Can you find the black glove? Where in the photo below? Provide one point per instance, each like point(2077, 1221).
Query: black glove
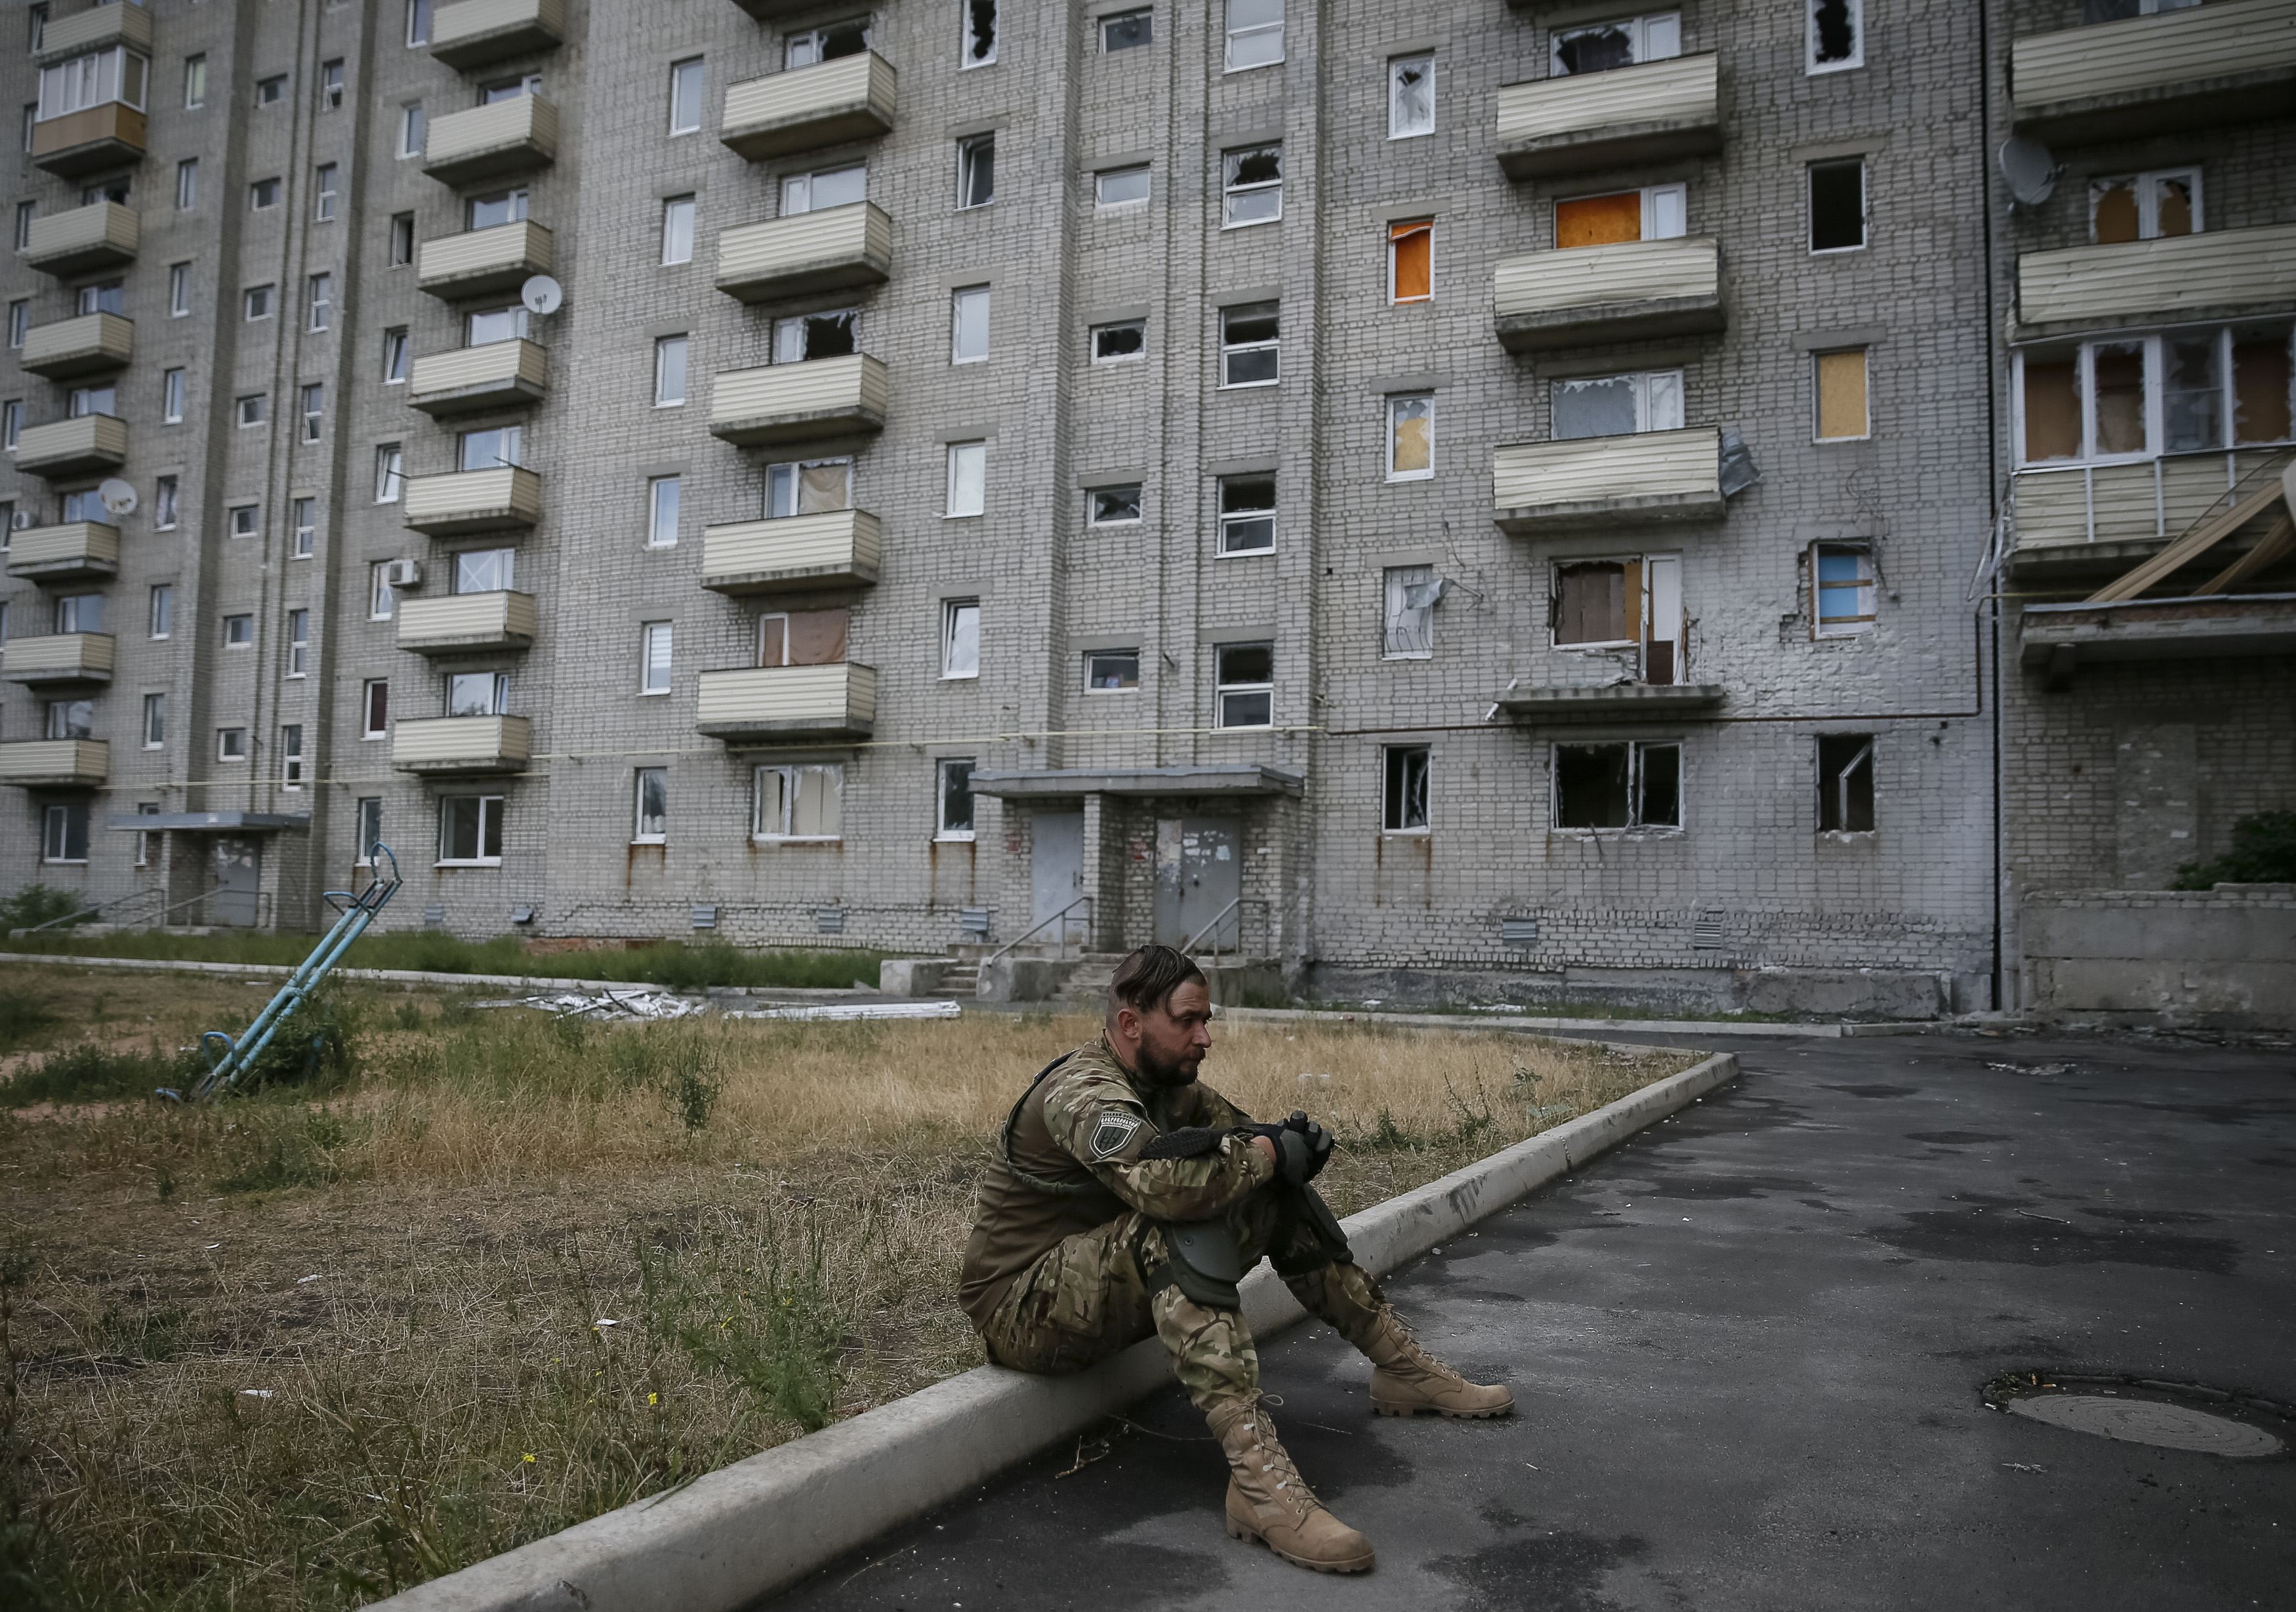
point(1318, 1139)
point(1295, 1156)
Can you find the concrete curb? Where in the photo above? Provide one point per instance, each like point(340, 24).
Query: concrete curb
point(760, 1525)
point(1504, 1021)
point(533, 982)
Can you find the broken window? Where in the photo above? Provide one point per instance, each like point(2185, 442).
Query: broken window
point(802, 638)
point(1255, 34)
point(1842, 411)
point(1405, 794)
point(1128, 30)
point(1117, 505)
point(968, 340)
point(1410, 96)
point(1247, 514)
point(799, 803)
point(1633, 602)
point(1411, 437)
point(2217, 388)
point(2191, 393)
point(1656, 212)
point(968, 478)
point(960, 639)
point(1845, 783)
point(1842, 574)
point(803, 337)
point(2117, 375)
point(809, 487)
point(978, 48)
point(1837, 205)
point(2052, 400)
point(469, 693)
point(1837, 35)
point(1245, 675)
point(374, 708)
point(1120, 342)
point(849, 36)
point(1410, 261)
point(976, 171)
point(1616, 406)
point(63, 833)
point(1248, 345)
point(1121, 187)
point(2260, 386)
point(2145, 207)
point(75, 719)
point(650, 814)
point(956, 799)
point(1605, 45)
point(831, 187)
point(1618, 785)
point(1410, 592)
point(471, 829)
point(1251, 186)
point(1112, 670)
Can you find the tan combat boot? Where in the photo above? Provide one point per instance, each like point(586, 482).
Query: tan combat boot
point(1268, 1502)
point(1406, 1379)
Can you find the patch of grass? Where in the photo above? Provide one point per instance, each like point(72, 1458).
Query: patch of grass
point(89, 1074)
point(2263, 852)
point(36, 904)
point(279, 1149)
point(24, 1019)
point(672, 964)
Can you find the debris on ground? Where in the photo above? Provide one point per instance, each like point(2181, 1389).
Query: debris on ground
point(641, 1004)
point(840, 1011)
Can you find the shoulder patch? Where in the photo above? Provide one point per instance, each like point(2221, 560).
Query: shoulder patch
point(1115, 1129)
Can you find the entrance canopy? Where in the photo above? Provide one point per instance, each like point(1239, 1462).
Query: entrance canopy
point(1056, 782)
point(211, 822)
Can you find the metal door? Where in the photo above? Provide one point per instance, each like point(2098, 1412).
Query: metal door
point(1199, 875)
point(239, 876)
point(1057, 871)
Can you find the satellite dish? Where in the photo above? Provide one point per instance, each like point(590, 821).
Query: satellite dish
point(117, 497)
point(541, 294)
point(2030, 168)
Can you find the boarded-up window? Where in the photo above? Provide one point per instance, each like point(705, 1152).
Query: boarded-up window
point(2053, 409)
point(1598, 601)
point(1599, 220)
point(802, 638)
point(2118, 379)
point(2260, 389)
point(1841, 395)
point(1410, 261)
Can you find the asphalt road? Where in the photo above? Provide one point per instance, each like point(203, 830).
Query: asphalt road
point(1748, 1349)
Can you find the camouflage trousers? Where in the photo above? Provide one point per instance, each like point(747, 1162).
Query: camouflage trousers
point(1088, 1297)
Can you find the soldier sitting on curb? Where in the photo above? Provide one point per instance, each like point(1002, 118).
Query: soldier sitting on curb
point(1129, 1200)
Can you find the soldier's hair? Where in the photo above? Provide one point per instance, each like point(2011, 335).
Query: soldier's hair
point(1148, 977)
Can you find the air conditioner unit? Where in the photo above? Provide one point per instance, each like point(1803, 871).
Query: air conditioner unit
point(404, 573)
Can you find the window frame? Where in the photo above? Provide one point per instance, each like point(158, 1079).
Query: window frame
point(694, 69)
point(831, 777)
point(1093, 495)
point(945, 768)
point(1812, 67)
point(1233, 188)
point(173, 390)
point(1139, 667)
point(2148, 182)
point(390, 472)
point(1101, 176)
point(1865, 203)
point(1636, 766)
point(675, 482)
point(165, 510)
point(155, 720)
point(326, 182)
point(231, 745)
point(488, 815)
point(1835, 790)
point(375, 700)
point(953, 639)
point(671, 207)
point(1146, 13)
point(970, 149)
point(1822, 626)
point(57, 821)
point(1398, 231)
point(1223, 690)
point(1395, 790)
point(363, 844)
point(1229, 349)
point(1395, 581)
point(968, 57)
point(962, 300)
point(160, 612)
point(1396, 66)
point(302, 526)
point(1230, 34)
point(681, 344)
point(187, 185)
point(640, 834)
point(179, 290)
point(1394, 403)
point(290, 756)
point(976, 450)
point(1864, 393)
point(1244, 515)
point(1139, 355)
point(657, 653)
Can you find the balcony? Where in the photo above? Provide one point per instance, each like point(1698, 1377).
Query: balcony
point(501, 374)
point(97, 28)
point(775, 11)
point(71, 447)
point(87, 345)
point(2104, 518)
point(464, 622)
point(61, 657)
point(466, 501)
point(759, 702)
point(798, 402)
point(1586, 295)
point(461, 744)
point(1614, 702)
point(75, 552)
point(1653, 112)
point(473, 33)
point(837, 549)
point(106, 135)
point(510, 136)
point(1590, 483)
point(827, 104)
point(2227, 272)
point(2059, 637)
point(2226, 63)
point(102, 234)
point(482, 260)
point(837, 249)
point(56, 763)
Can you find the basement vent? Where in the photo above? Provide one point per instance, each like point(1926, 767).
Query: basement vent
point(522, 915)
point(1519, 932)
point(705, 914)
point(1706, 932)
point(434, 916)
point(829, 920)
point(972, 920)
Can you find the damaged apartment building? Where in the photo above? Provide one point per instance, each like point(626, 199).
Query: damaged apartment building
point(1523, 502)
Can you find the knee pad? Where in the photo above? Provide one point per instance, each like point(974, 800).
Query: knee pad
point(1311, 1238)
point(1206, 1263)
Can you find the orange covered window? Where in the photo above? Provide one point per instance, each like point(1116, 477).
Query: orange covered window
point(1410, 261)
point(1599, 220)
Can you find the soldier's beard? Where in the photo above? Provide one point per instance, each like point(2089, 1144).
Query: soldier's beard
point(1167, 1072)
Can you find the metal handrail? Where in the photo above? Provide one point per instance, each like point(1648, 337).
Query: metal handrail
point(115, 901)
point(1236, 907)
point(1082, 901)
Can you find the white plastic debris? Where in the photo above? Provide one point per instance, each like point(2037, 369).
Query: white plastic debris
point(256, 1393)
point(312, 1278)
point(841, 1011)
point(643, 1002)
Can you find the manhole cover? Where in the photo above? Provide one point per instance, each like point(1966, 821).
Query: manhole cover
point(2140, 1421)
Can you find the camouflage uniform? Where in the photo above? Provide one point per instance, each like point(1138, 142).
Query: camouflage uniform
point(1064, 1264)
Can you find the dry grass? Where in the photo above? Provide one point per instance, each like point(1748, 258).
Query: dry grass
point(311, 1346)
